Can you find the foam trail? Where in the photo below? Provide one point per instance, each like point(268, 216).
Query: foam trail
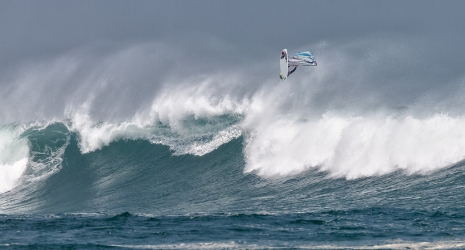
point(200, 144)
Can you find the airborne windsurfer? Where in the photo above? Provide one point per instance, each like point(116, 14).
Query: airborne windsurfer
point(304, 58)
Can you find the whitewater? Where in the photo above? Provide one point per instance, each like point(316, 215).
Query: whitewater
point(338, 156)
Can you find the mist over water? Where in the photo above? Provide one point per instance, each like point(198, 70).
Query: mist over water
point(359, 113)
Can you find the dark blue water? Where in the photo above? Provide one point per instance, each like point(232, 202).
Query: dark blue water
point(375, 227)
point(139, 194)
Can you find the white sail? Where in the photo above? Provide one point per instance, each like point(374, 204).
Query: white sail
point(305, 58)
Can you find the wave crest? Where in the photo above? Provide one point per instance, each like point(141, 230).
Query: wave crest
point(354, 147)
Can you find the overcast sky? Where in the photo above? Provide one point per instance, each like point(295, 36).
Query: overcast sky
point(35, 31)
point(44, 28)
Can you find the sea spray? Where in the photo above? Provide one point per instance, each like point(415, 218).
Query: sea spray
point(354, 147)
point(14, 155)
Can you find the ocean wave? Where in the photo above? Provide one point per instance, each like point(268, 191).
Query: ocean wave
point(134, 109)
point(354, 147)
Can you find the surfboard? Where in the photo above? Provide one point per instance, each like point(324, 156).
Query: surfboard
point(283, 65)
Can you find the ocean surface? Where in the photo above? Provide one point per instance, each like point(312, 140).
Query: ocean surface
point(122, 185)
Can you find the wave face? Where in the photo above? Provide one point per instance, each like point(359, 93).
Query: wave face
point(54, 168)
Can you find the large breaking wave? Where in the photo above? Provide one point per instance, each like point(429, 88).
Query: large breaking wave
point(341, 119)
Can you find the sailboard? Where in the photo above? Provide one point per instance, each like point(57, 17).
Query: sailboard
point(283, 64)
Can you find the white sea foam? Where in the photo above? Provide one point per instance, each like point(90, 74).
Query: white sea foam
point(353, 147)
point(234, 245)
point(94, 136)
point(10, 174)
point(14, 155)
point(200, 144)
point(177, 104)
point(397, 245)
point(181, 139)
point(199, 96)
point(202, 245)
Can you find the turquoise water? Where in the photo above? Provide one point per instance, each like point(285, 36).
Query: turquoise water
point(140, 194)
